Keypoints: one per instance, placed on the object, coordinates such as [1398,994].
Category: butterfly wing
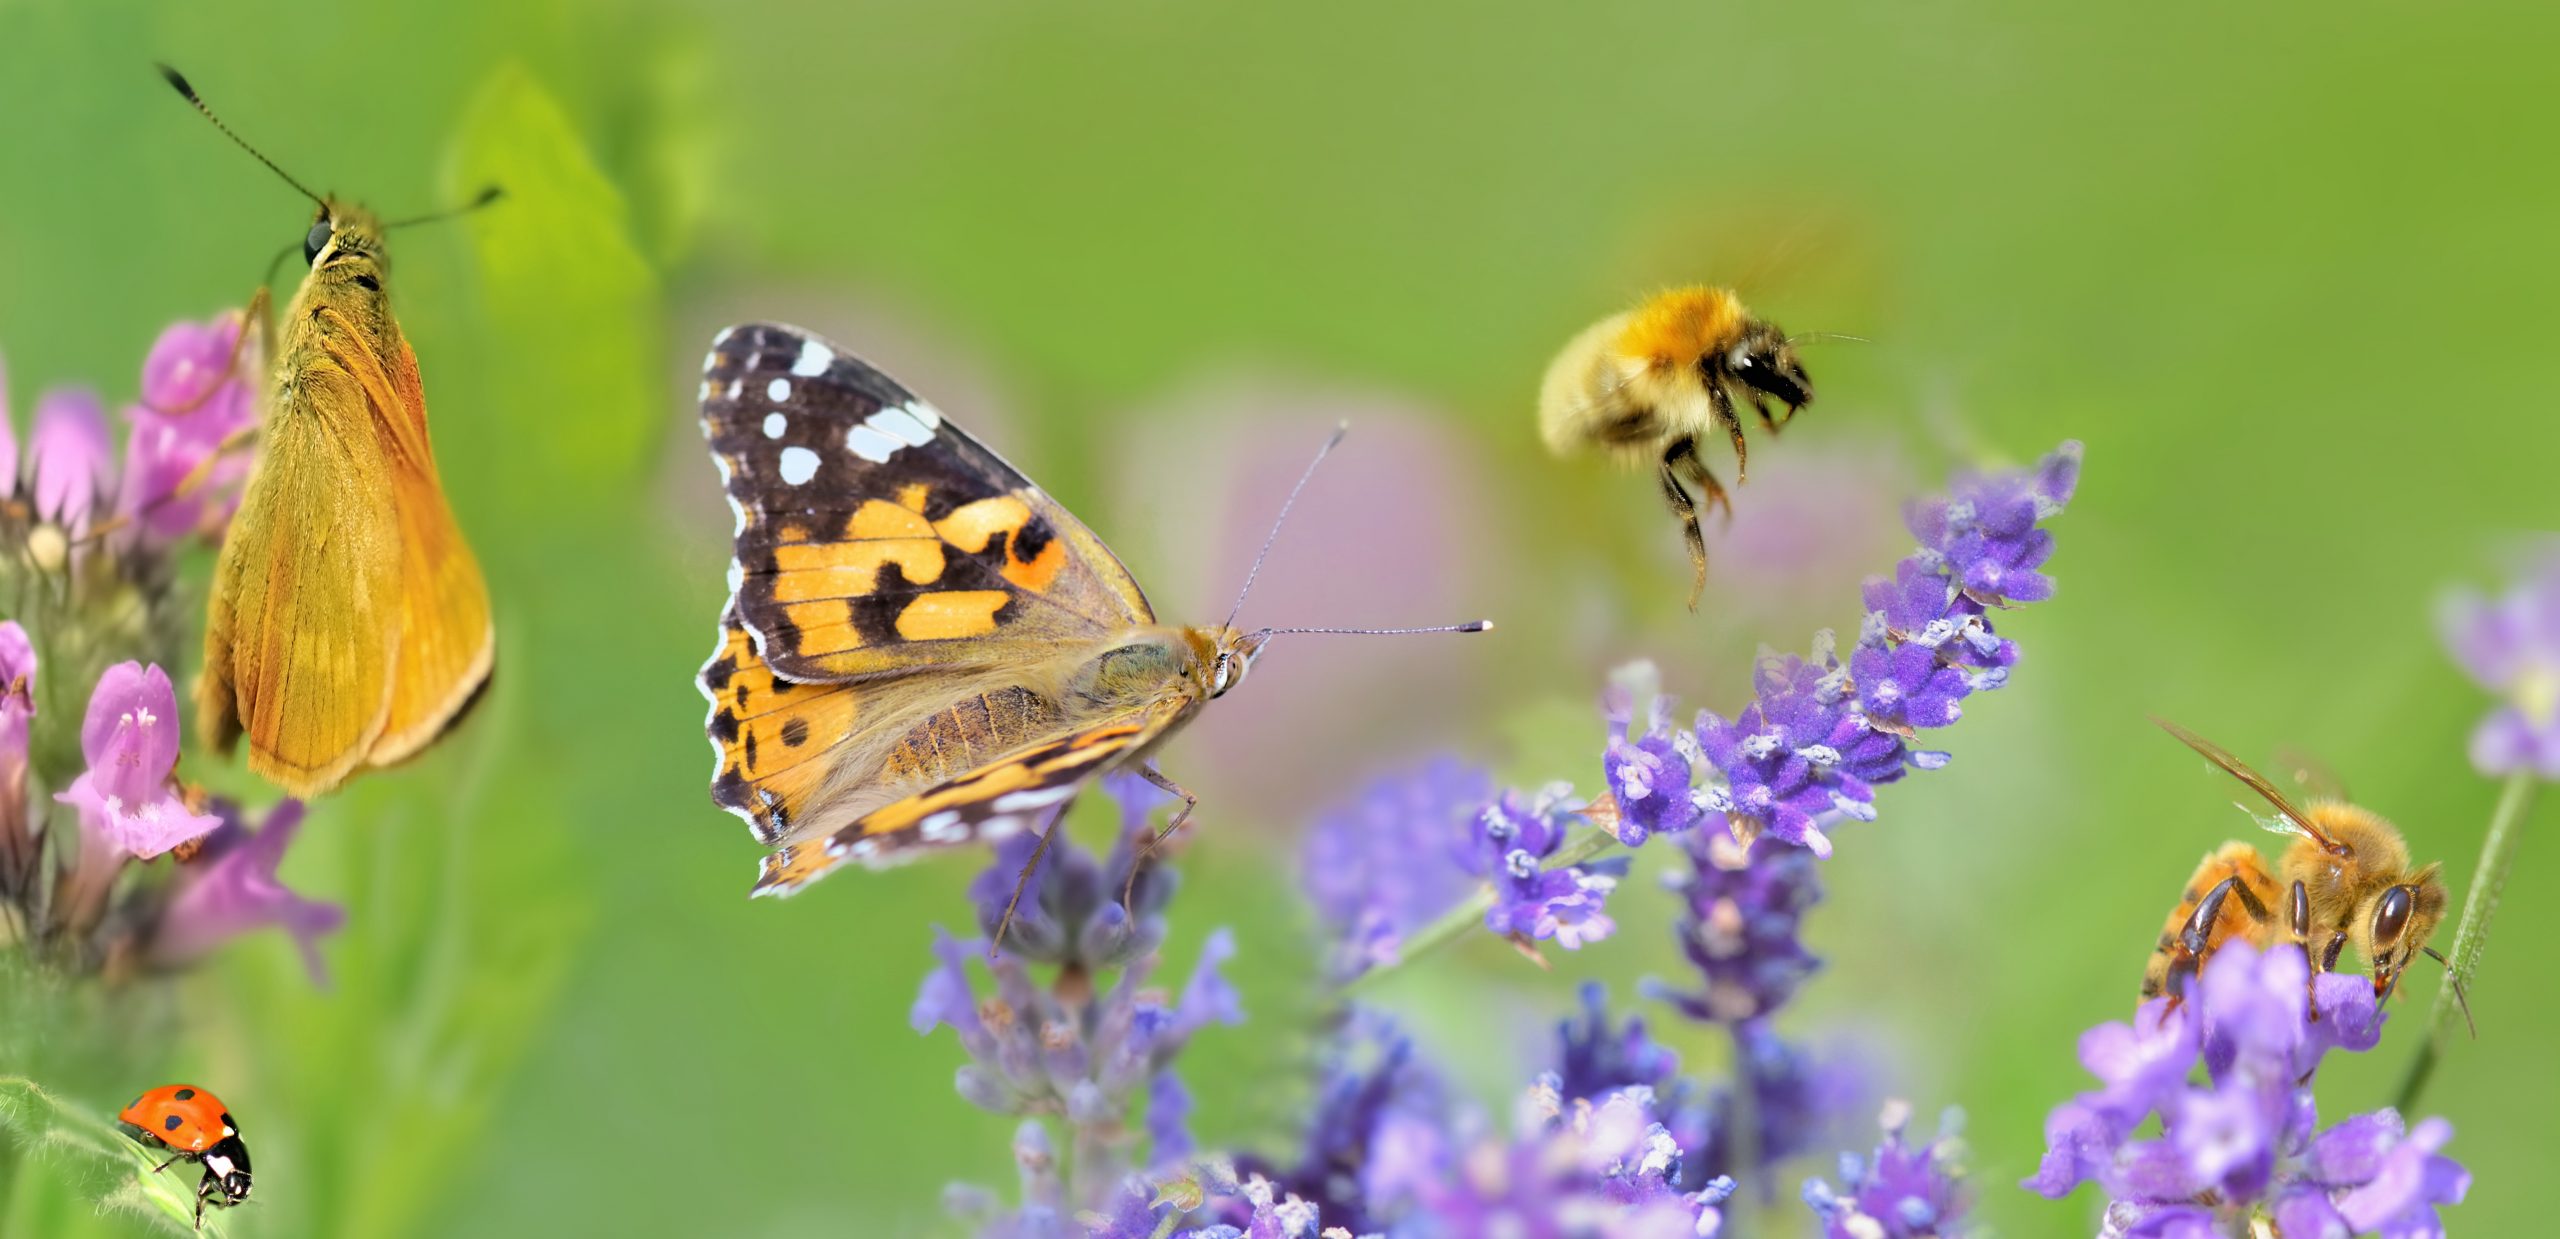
[875,538]
[775,743]
[448,644]
[1024,790]
[301,625]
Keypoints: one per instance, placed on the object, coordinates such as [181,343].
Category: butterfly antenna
[487,195]
[1469,626]
[179,80]
[1274,536]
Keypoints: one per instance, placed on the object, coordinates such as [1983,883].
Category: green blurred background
[2284,268]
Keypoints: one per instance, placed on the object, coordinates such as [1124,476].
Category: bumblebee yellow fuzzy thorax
[1674,329]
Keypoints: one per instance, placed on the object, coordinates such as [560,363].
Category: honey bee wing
[2311,774]
[2300,822]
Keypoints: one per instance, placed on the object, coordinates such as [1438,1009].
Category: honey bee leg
[1687,511]
[2329,955]
[1020,882]
[2195,941]
[1148,771]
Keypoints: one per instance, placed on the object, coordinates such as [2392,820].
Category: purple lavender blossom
[1071,911]
[2244,1141]
[1901,1192]
[1648,771]
[1513,839]
[70,455]
[1067,1049]
[1573,1168]
[131,740]
[1740,926]
[1377,869]
[232,889]
[2511,645]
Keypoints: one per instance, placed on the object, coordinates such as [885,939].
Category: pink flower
[232,889]
[131,740]
[70,452]
[17,693]
[192,400]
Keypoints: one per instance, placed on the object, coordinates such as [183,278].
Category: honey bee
[2344,880]
[1646,384]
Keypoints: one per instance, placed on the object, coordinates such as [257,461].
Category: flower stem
[2471,937]
[1447,927]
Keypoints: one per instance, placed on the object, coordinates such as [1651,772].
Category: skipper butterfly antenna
[179,80]
[487,195]
[1339,430]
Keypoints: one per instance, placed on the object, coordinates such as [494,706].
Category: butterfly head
[342,232]
[1233,652]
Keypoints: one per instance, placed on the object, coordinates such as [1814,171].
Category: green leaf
[563,394]
[84,1158]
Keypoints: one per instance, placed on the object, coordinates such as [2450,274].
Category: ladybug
[194,1126]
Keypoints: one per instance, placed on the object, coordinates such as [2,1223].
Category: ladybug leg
[204,1190]
[164,1165]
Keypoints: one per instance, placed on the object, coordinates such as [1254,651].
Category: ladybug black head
[226,1171]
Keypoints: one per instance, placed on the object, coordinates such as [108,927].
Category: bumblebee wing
[448,644]
[1022,790]
[300,629]
[2299,822]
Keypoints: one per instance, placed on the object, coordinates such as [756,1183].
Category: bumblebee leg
[1688,512]
[1722,402]
[1761,407]
[1148,771]
[1021,881]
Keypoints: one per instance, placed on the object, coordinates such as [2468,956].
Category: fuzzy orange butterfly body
[349,625]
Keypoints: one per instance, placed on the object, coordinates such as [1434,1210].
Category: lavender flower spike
[2243,1142]
[1379,868]
[2511,645]
[1902,1192]
[232,889]
[1513,838]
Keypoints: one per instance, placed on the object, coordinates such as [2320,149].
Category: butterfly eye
[316,240]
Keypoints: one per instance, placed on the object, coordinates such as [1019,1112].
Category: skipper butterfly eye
[316,240]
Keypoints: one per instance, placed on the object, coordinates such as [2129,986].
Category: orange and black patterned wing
[1024,790]
[874,537]
[773,741]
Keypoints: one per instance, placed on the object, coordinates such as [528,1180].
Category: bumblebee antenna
[2460,999]
[179,80]
[1339,430]
[1825,337]
[487,195]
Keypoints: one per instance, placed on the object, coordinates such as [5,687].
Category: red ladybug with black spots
[194,1126]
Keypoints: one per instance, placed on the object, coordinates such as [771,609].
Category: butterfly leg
[188,485]
[1148,771]
[1021,882]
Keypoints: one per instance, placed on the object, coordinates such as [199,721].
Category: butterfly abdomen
[974,731]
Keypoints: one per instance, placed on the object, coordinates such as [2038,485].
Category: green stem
[2471,937]
[1449,925]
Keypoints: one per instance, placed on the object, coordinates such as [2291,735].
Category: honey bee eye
[316,240]
[2390,917]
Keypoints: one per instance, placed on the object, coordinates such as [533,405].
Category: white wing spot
[774,424]
[814,360]
[705,393]
[900,425]
[943,827]
[799,464]
[871,445]
[929,415]
[733,389]
[1037,798]
[778,390]
[723,337]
